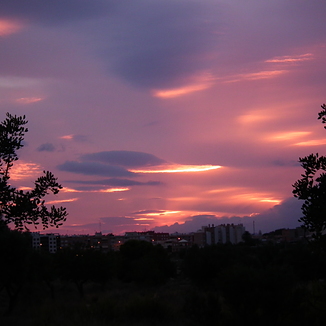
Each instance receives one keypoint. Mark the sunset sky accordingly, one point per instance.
(166, 115)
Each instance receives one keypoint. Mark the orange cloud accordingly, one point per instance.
(257, 197)
(22, 170)
(8, 27)
(114, 189)
(290, 135)
(254, 117)
(265, 74)
(291, 59)
(176, 168)
(183, 199)
(28, 100)
(161, 217)
(68, 137)
(214, 191)
(160, 213)
(25, 188)
(65, 189)
(170, 93)
(315, 142)
(199, 83)
(53, 202)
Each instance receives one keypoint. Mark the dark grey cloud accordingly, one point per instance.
(161, 43)
(118, 221)
(285, 215)
(80, 138)
(195, 223)
(106, 225)
(285, 163)
(115, 182)
(112, 164)
(51, 12)
(47, 147)
(95, 168)
(124, 158)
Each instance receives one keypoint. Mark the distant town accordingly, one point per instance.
(174, 242)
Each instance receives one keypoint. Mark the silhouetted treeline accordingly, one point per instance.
(249, 283)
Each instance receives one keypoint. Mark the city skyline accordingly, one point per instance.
(166, 115)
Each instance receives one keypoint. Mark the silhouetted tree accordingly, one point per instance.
(312, 189)
(15, 254)
(202, 265)
(143, 262)
(83, 266)
(44, 269)
(322, 114)
(24, 208)
(248, 240)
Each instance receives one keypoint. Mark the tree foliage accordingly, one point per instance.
(322, 114)
(312, 189)
(24, 208)
(142, 262)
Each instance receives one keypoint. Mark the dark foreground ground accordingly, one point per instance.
(143, 285)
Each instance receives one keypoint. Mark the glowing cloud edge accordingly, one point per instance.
(178, 169)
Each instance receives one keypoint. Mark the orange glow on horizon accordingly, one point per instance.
(276, 201)
(178, 169)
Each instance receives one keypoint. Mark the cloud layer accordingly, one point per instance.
(166, 113)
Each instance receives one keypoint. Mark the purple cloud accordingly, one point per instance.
(124, 158)
(50, 12)
(47, 147)
(285, 215)
(115, 182)
(95, 168)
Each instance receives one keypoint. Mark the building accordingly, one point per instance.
(83, 242)
(220, 234)
(46, 242)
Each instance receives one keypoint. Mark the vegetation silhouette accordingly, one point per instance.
(21, 209)
(15, 251)
(312, 189)
(142, 262)
(18, 207)
(219, 284)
